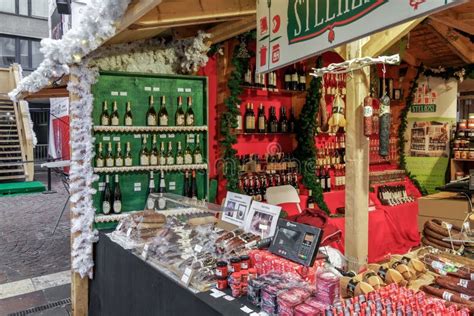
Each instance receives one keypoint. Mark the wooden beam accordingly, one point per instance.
(459, 44)
(135, 35)
(357, 164)
(410, 59)
(382, 41)
(452, 21)
(224, 31)
(79, 286)
(135, 11)
(47, 93)
(341, 50)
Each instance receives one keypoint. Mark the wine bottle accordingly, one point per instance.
(197, 154)
(154, 154)
(163, 114)
(170, 155)
(107, 197)
(188, 155)
(162, 160)
(292, 121)
(161, 190)
(144, 154)
(104, 116)
(322, 177)
(239, 119)
(117, 205)
(179, 155)
(109, 158)
(287, 78)
(128, 120)
(257, 80)
(273, 122)
(283, 120)
(328, 181)
(262, 120)
(99, 162)
(189, 116)
(118, 156)
(150, 202)
(187, 185)
(128, 156)
(194, 194)
(302, 79)
(179, 117)
(311, 202)
(294, 78)
(114, 117)
(151, 117)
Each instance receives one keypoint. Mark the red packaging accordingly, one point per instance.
(306, 310)
(235, 290)
(287, 302)
(221, 284)
(221, 269)
(244, 275)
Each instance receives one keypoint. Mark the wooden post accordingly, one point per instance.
(79, 286)
(357, 164)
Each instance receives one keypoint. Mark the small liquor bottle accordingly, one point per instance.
(151, 117)
(170, 155)
(128, 119)
(162, 159)
(283, 120)
(154, 154)
(150, 202)
(189, 116)
(104, 116)
(109, 158)
(161, 190)
(197, 154)
(311, 201)
(188, 155)
(262, 120)
(107, 197)
(163, 114)
(179, 155)
(114, 117)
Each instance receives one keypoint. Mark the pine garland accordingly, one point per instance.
(451, 72)
(229, 120)
(306, 150)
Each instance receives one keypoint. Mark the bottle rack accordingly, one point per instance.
(134, 180)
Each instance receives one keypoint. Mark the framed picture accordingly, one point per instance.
(262, 219)
(236, 208)
(397, 94)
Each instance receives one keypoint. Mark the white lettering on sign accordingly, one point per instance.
(187, 90)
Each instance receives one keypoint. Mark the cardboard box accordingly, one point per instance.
(446, 206)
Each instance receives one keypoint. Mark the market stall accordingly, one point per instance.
(160, 108)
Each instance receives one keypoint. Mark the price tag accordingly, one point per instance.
(116, 138)
(186, 278)
(180, 90)
(263, 227)
(246, 309)
(217, 294)
(170, 135)
(101, 186)
(147, 88)
(137, 187)
(114, 93)
(229, 298)
(106, 138)
(123, 93)
(190, 138)
(255, 314)
(187, 90)
(137, 136)
(129, 232)
(162, 135)
(198, 248)
(119, 226)
(156, 89)
(145, 251)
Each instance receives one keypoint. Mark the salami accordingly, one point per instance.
(323, 126)
(451, 284)
(384, 122)
(447, 295)
(368, 114)
(458, 305)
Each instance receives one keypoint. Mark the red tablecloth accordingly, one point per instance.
(392, 229)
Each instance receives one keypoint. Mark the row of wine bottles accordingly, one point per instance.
(149, 157)
(262, 124)
(294, 79)
(153, 118)
(269, 163)
(111, 201)
(256, 185)
(323, 177)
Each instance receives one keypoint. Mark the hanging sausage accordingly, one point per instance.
(368, 113)
(322, 119)
(384, 130)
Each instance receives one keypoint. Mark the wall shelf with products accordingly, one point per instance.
(153, 138)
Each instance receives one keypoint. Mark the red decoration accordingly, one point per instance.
(331, 35)
(275, 53)
(263, 25)
(416, 3)
(276, 24)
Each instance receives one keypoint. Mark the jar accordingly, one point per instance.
(221, 283)
(463, 124)
(457, 154)
(235, 264)
(244, 262)
(221, 269)
(471, 116)
(235, 290)
(244, 275)
(470, 123)
(252, 273)
(471, 154)
(457, 143)
(235, 278)
(464, 154)
(459, 175)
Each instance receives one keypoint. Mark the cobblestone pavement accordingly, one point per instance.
(27, 247)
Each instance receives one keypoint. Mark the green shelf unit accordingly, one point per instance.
(136, 88)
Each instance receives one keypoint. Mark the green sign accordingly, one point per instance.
(309, 19)
(423, 108)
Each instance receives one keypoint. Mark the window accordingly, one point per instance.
(33, 8)
(20, 50)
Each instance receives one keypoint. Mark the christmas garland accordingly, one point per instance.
(306, 150)
(240, 60)
(402, 129)
(451, 72)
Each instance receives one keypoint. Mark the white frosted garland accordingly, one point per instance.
(97, 25)
(81, 173)
(154, 56)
